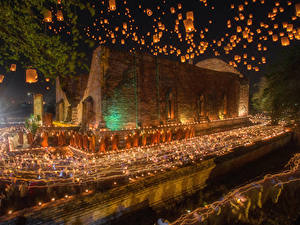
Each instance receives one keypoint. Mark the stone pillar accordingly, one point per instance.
(243, 105)
(38, 105)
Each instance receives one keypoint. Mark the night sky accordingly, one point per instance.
(145, 19)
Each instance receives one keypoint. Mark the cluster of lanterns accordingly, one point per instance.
(243, 25)
(183, 37)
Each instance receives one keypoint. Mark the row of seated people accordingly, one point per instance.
(88, 143)
(144, 138)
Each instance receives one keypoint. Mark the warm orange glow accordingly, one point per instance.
(31, 76)
(48, 16)
(13, 67)
(1, 78)
(59, 15)
(112, 5)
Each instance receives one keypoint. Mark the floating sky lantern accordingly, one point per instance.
(189, 25)
(13, 67)
(48, 16)
(112, 5)
(190, 15)
(31, 76)
(1, 78)
(297, 8)
(59, 15)
(172, 9)
(149, 12)
(285, 41)
(179, 16)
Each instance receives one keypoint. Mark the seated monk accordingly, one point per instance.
(77, 141)
(102, 145)
(135, 139)
(152, 138)
(92, 143)
(163, 136)
(158, 135)
(179, 134)
(186, 133)
(169, 135)
(44, 142)
(60, 140)
(72, 140)
(85, 142)
(128, 141)
(114, 142)
(144, 136)
(63, 138)
(192, 132)
(80, 146)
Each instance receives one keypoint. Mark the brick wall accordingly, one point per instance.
(135, 88)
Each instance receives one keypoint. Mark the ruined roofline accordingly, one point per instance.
(161, 60)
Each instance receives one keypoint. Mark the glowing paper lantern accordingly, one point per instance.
(59, 15)
(172, 9)
(189, 25)
(284, 24)
(1, 78)
(289, 27)
(31, 76)
(297, 8)
(112, 5)
(179, 16)
(190, 15)
(48, 16)
(241, 7)
(149, 12)
(285, 41)
(182, 59)
(13, 67)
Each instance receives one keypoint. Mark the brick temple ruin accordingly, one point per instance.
(125, 90)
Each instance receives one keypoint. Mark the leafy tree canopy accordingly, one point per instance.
(26, 39)
(279, 89)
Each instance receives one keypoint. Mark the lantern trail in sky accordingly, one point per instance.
(193, 29)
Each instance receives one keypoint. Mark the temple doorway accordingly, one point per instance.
(88, 111)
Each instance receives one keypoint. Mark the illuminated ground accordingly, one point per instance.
(56, 167)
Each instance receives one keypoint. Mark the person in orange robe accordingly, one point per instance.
(85, 140)
(163, 136)
(187, 133)
(114, 142)
(92, 143)
(102, 145)
(44, 142)
(144, 138)
(158, 136)
(169, 136)
(136, 139)
(128, 141)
